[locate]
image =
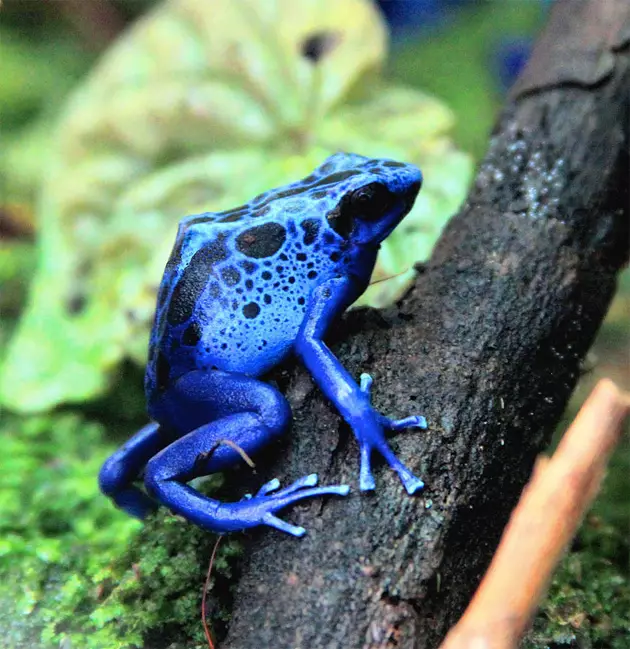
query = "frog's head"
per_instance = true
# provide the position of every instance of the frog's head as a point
(373, 200)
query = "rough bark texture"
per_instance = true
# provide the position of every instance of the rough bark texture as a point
(487, 345)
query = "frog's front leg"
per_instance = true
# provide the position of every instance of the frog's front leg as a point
(353, 402)
(249, 415)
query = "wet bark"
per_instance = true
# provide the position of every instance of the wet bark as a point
(487, 345)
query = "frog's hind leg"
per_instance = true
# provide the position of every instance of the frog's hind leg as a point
(121, 469)
(250, 415)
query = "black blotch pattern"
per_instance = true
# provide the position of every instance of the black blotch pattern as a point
(333, 179)
(234, 214)
(392, 164)
(206, 217)
(311, 274)
(230, 276)
(267, 298)
(301, 256)
(194, 280)
(262, 211)
(251, 310)
(300, 188)
(266, 275)
(231, 218)
(311, 229)
(261, 241)
(249, 266)
(162, 371)
(191, 335)
(340, 218)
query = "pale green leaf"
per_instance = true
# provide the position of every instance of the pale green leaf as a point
(196, 110)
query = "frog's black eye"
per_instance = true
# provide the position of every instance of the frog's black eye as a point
(371, 202)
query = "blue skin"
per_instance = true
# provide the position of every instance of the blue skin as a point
(241, 291)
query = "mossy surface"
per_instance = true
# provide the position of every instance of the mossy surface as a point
(74, 571)
(588, 604)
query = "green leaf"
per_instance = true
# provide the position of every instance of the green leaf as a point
(195, 110)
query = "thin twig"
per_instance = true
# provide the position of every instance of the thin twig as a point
(544, 522)
(204, 596)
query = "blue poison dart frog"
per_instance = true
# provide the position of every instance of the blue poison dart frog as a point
(241, 291)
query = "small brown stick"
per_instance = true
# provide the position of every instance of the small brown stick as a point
(544, 522)
(206, 585)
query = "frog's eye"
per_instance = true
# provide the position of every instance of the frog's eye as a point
(371, 202)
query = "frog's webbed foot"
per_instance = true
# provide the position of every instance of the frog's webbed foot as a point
(413, 421)
(261, 508)
(372, 438)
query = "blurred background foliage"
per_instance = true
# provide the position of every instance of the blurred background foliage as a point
(93, 181)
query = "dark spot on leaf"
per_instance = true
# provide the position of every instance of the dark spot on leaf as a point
(318, 45)
(76, 304)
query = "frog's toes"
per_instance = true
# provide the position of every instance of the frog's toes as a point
(366, 383)
(411, 483)
(268, 487)
(311, 480)
(366, 479)
(414, 421)
(283, 526)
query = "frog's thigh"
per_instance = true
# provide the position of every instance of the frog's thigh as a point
(121, 469)
(207, 403)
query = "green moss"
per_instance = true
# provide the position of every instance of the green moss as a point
(588, 605)
(73, 568)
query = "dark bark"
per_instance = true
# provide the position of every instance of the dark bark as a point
(487, 345)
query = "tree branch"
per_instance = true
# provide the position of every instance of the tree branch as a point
(487, 345)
